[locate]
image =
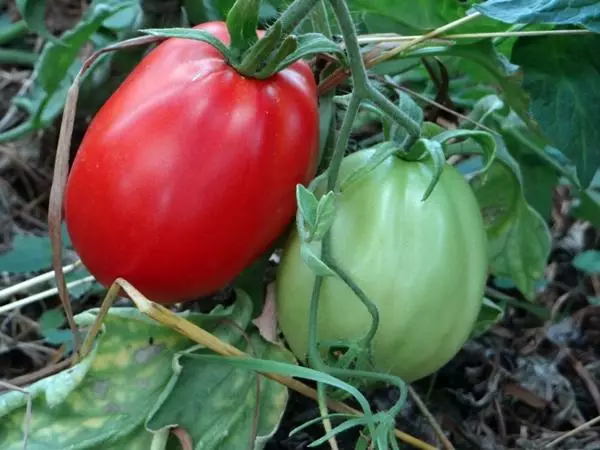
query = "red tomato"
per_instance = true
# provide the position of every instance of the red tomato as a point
(187, 173)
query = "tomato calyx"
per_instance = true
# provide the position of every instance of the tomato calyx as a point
(251, 52)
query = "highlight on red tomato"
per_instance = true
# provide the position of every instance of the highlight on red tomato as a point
(423, 264)
(188, 172)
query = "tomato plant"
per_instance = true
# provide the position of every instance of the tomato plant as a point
(188, 172)
(423, 263)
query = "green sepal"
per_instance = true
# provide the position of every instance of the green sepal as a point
(382, 152)
(190, 33)
(261, 50)
(432, 148)
(486, 144)
(242, 21)
(289, 45)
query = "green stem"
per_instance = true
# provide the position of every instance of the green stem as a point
(13, 31)
(363, 90)
(294, 15)
(320, 20)
(17, 57)
(357, 66)
(410, 125)
(342, 141)
(287, 22)
(362, 85)
(371, 307)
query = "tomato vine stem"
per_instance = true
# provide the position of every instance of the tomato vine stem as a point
(362, 90)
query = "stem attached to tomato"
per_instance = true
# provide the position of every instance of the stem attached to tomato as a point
(286, 23)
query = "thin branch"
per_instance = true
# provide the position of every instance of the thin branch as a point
(392, 37)
(412, 43)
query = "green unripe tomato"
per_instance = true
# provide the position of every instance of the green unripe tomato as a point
(423, 263)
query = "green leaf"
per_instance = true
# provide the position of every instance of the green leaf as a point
(483, 109)
(519, 238)
(58, 65)
(50, 323)
(325, 216)
(557, 12)
(561, 76)
(190, 33)
(588, 262)
(33, 13)
(215, 402)
(314, 262)
(242, 21)
(62, 58)
(29, 253)
(393, 131)
(309, 44)
(307, 206)
(588, 207)
(382, 152)
(138, 369)
(489, 314)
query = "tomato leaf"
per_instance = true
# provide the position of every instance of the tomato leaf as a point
(489, 314)
(558, 12)
(519, 239)
(325, 215)
(588, 262)
(539, 177)
(203, 392)
(242, 20)
(309, 44)
(393, 131)
(29, 253)
(307, 206)
(33, 13)
(483, 109)
(57, 66)
(314, 262)
(561, 77)
(588, 206)
(105, 399)
(190, 33)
